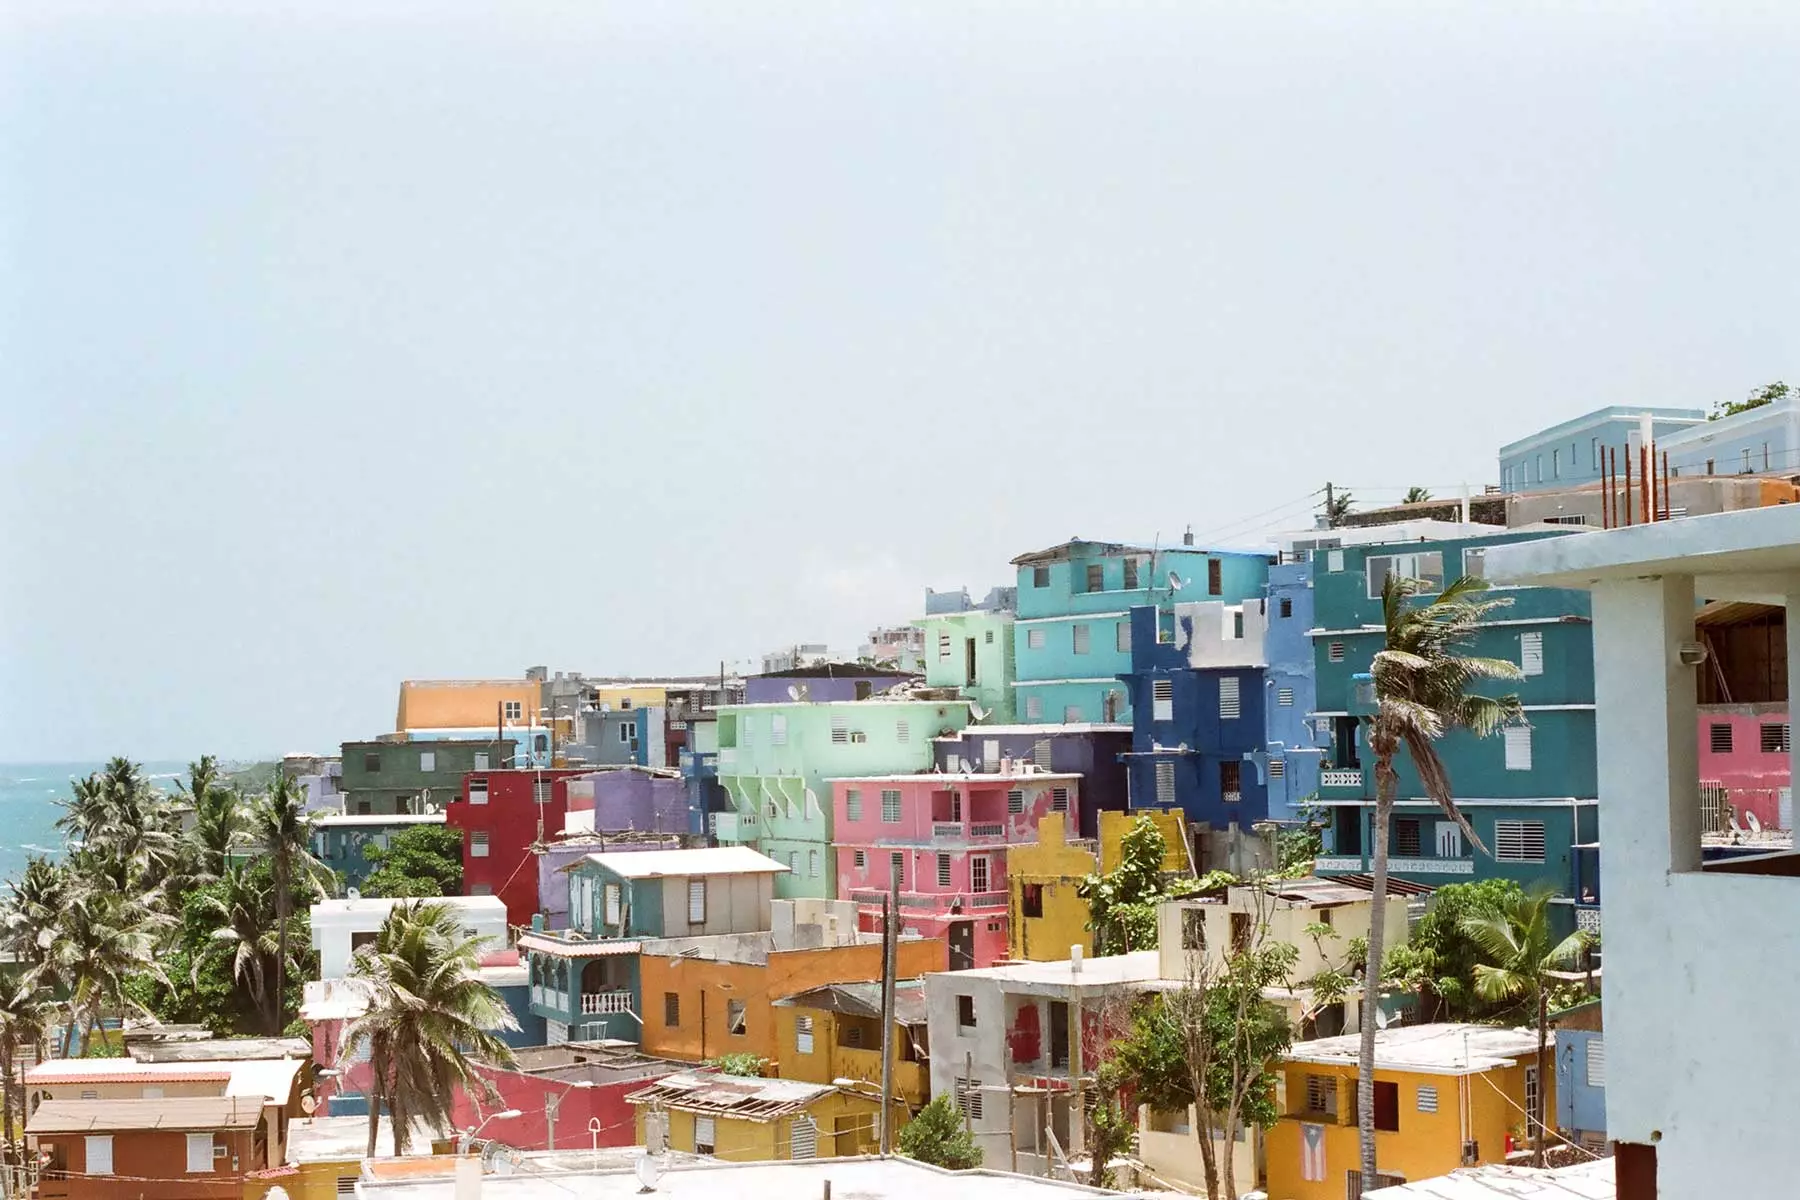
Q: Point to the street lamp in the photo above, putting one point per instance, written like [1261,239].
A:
[469,1135]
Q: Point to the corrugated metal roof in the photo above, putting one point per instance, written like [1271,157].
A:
[864,1000]
[709,860]
[182,1112]
[546,944]
[736,1096]
[122,1070]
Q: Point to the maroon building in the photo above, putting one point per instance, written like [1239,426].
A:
[500,815]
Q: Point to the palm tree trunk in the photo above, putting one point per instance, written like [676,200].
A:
[377,1085]
[283,903]
[1386,784]
[8,1043]
[1537,1117]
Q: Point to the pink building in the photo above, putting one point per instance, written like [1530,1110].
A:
[946,837]
[1743,693]
[1744,754]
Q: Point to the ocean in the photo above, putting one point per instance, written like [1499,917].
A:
[29,793]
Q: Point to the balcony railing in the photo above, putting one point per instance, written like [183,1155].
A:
[988,830]
[600,1003]
[545,997]
[1433,866]
[1341,777]
[934,901]
[946,829]
[1340,862]
[988,900]
[957,831]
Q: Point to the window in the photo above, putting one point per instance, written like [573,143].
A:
[514,710]
[1131,571]
[1034,639]
[1015,801]
[1406,837]
[1775,739]
[427,760]
[1475,562]
[672,1009]
[1286,607]
[626,729]
[1426,1101]
[199,1152]
[1230,790]
[897,866]
[1162,700]
[1321,1095]
[1427,568]
[902,732]
[1531,1092]
[1079,638]
[705,1138]
[859,859]
[1387,1106]
[1072,714]
[840,731]
[1334,560]
[1519,841]
[152,1092]
[1215,577]
[965,1012]
[1031,899]
[1193,929]
[803,1035]
[1096,577]
[812,864]
[1040,577]
[943,870]
[1593,454]
[478,844]
[1040,753]
[346,1185]
[968,1098]
[1531,653]
[540,791]
[1165,783]
[1556,464]
[1517,742]
[1122,637]
[943,646]
[1721,738]
[1746,471]
[853,805]
[1709,466]
[794,863]
[478,791]
[99,1160]
[372,763]
[481,762]
[1334,652]
[890,806]
[734,1018]
[777,730]
[612,904]
[1596,1063]
[696,902]
[978,873]
[1034,708]
[1277,768]
[1284,697]
[1229,704]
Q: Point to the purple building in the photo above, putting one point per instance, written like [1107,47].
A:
[1093,752]
[568,848]
[827,681]
[629,799]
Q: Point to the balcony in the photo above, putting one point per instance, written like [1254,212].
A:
[946,829]
[1341,780]
[595,1004]
[1352,863]
[1431,866]
[935,902]
[550,998]
[956,831]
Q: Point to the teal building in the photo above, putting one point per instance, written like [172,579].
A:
[1529,791]
[1072,632]
[340,840]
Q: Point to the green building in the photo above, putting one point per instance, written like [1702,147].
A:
[969,647]
[776,763]
[415,776]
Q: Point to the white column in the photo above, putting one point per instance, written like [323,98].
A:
[1793,657]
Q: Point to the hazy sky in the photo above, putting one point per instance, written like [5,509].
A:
[347,343]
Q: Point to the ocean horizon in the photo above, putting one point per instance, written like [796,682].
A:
[30,802]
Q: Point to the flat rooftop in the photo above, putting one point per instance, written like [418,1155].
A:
[1756,541]
[977,731]
[346,1139]
[1583,1181]
[862,1178]
[707,860]
[1140,966]
[1446,1048]
[950,777]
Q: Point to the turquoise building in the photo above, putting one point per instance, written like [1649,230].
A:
[1529,791]
[776,762]
[1072,634]
[339,839]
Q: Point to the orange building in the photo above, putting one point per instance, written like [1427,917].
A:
[699,1008]
[467,703]
[178,1148]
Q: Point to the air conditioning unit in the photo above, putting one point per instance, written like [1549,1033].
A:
[1471,1154]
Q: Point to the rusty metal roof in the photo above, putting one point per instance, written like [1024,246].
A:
[735,1096]
[179,1112]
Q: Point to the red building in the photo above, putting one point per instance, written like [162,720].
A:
[500,814]
[560,1092]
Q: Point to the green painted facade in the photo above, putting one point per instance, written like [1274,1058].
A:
[973,652]
[777,761]
[403,777]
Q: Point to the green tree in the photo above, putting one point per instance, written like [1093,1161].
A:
[241,909]
[101,939]
[421,860]
[745,1063]
[1439,958]
[1416,495]
[1122,903]
[1518,955]
[25,1013]
[936,1136]
[428,1012]
[281,834]
[38,895]
[1422,691]
[1338,508]
[1768,393]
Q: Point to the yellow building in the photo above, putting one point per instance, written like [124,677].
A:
[1114,825]
[467,703]
[742,1119]
[1046,917]
[1446,1096]
[325,1157]
[833,1033]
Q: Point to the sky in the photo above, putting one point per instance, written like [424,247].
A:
[348,343]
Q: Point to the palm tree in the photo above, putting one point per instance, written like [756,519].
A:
[102,938]
[32,910]
[242,907]
[25,1012]
[1516,942]
[281,833]
[1422,692]
[428,1012]
[218,823]
[1416,495]
[1337,508]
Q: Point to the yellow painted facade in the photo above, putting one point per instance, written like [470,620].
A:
[616,697]
[819,1054]
[1046,917]
[845,1125]
[466,703]
[1429,1140]
[1114,825]
[305,1181]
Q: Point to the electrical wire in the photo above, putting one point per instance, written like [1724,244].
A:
[1531,1120]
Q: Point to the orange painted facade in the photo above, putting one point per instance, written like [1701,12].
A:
[466,703]
[151,1164]
[706,995]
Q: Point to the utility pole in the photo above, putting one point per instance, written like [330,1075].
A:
[890,921]
[551,1104]
[1329,522]
[969,1093]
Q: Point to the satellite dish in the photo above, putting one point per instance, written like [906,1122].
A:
[1381,1018]
[978,713]
[648,1172]
[353,893]
[1174,582]
[793,691]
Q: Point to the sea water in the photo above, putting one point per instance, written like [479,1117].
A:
[31,796]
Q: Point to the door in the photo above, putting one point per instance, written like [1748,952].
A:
[1059,1033]
[962,945]
[969,660]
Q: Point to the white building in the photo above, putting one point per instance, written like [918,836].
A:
[1694,952]
[340,926]
[997,1027]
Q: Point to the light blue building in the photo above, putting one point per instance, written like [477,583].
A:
[1072,635]
[1766,438]
[1581,1080]
[1568,455]
[1292,736]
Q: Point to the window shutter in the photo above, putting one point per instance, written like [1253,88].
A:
[1165,783]
[1518,841]
[696,902]
[1059,799]
[1079,636]
[803,1034]
[199,1152]
[1229,704]
[890,807]
[943,870]
[777,730]
[1334,652]
[1531,653]
[1284,697]
[1428,1099]
[1040,749]
[1596,1063]
[704,1135]
[1277,768]
[1517,739]
[478,844]
[1015,801]
[1721,738]
[840,731]
[853,805]
[99,1156]
[902,732]
[1162,700]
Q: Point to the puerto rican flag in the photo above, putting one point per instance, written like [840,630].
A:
[1312,1153]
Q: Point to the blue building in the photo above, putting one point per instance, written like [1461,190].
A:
[1529,792]
[1581,1074]
[824,682]
[1765,438]
[1097,753]
[1072,635]
[1568,454]
[339,840]
[1293,744]
[1197,689]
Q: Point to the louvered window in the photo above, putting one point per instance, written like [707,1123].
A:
[1040,749]
[1059,799]
[1427,1099]
[1079,638]
[1517,740]
[803,1035]
[968,1098]
[840,731]
[1284,697]
[1277,768]
[943,870]
[897,865]
[1519,841]
[943,646]
[853,805]
[1334,652]
[1721,738]
[777,730]
[890,807]
[902,732]
[1775,739]
[1165,783]
[1162,700]
[1229,704]
[696,902]
[1015,801]
[1596,1063]
[1531,653]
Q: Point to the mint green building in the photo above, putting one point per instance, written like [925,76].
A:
[969,647]
[776,763]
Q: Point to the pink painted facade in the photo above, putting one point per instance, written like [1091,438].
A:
[1744,749]
[947,835]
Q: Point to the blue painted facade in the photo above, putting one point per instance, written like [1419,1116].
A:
[1766,438]
[1291,735]
[829,681]
[533,744]
[1187,750]
[1581,1081]
[1568,454]
[1528,793]
[1072,636]
[340,841]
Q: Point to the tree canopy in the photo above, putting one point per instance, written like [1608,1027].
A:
[419,861]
